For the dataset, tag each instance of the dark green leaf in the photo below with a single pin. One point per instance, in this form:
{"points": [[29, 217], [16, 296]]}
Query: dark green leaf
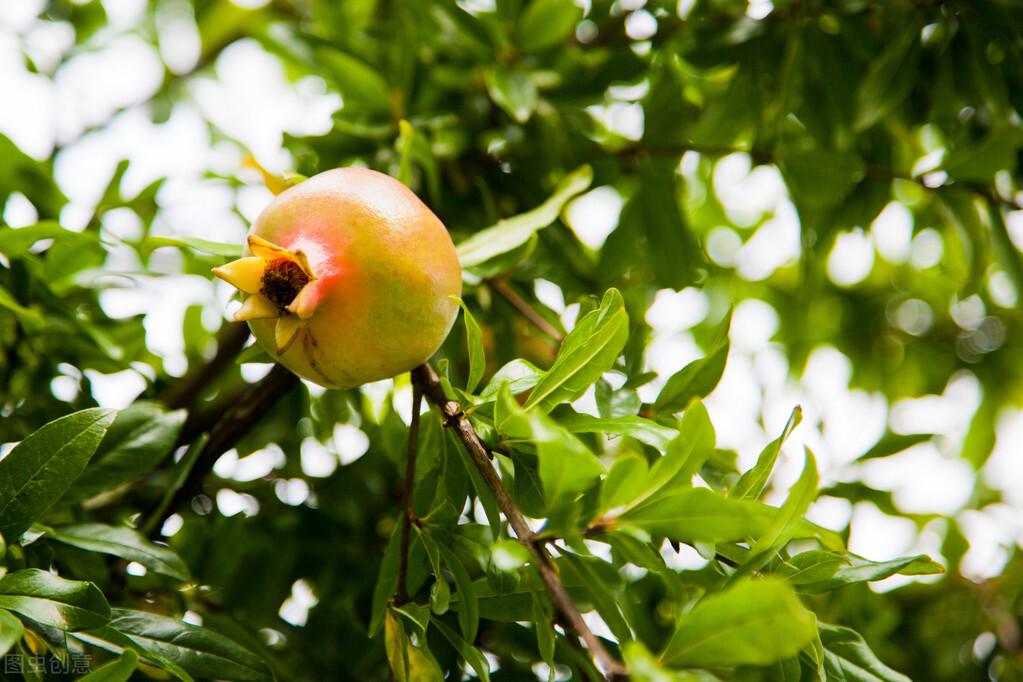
{"points": [[120, 670], [44, 597], [200, 651], [125, 543], [44, 465]]}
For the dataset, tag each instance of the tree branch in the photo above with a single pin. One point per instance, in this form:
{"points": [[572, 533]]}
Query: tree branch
{"points": [[250, 407], [230, 341], [428, 382], [408, 495], [502, 287]]}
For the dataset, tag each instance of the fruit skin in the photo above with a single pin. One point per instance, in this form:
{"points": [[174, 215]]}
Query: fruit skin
{"points": [[385, 269]]}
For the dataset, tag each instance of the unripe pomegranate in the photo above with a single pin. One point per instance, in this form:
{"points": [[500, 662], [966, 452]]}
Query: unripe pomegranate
{"points": [[349, 278]]}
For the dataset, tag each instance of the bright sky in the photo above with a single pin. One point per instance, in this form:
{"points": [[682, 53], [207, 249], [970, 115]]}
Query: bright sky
{"points": [[249, 100]]}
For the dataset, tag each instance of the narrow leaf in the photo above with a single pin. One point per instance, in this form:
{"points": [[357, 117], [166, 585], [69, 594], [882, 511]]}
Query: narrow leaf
{"points": [[43, 466], [513, 232]]}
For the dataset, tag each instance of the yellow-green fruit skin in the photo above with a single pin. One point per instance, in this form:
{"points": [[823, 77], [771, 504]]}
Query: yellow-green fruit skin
{"points": [[385, 270]]}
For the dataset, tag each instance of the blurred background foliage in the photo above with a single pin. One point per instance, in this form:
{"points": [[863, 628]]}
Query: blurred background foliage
{"points": [[842, 175]]}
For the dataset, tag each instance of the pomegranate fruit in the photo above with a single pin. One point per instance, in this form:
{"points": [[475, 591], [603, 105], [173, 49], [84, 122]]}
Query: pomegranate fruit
{"points": [[349, 278]]}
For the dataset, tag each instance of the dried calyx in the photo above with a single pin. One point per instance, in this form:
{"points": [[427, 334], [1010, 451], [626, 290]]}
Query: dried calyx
{"points": [[277, 282]]}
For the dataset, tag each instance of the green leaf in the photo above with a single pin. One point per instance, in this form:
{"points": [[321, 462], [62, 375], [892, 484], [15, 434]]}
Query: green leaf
{"points": [[513, 232], [513, 90], [468, 606], [587, 352], [468, 652], [701, 515], [892, 443], [625, 482], [11, 631], [820, 179], [440, 592], [752, 623], [43, 466], [474, 339], [51, 600], [654, 211], [980, 162], [29, 318], [126, 543], [698, 378], [819, 571], [566, 465], [643, 430], [140, 437], [848, 658], [200, 651], [362, 87], [149, 244], [546, 23], [890, 78], [120, 670], [683, 458], [520, 375], [605, 596], [406, 135], [781, 530], [387, 581], [543, 623], [396, 645], [16, 242], [752, 483]]}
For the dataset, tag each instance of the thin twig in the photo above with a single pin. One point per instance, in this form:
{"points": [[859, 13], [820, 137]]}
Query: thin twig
{"points": [[427, 380], [408, 494], [251, 406], [509, 294]]}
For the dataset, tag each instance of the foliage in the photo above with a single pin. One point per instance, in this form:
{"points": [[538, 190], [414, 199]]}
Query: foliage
{"points": [[690, 560]]}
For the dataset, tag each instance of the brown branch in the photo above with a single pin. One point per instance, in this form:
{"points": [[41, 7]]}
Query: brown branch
{"points": [[251, 406], [230, 341], [408, 494], [501, 286], [428, 382]]}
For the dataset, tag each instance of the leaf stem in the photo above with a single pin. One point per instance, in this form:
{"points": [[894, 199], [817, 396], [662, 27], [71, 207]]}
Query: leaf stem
{"points": [[428, 382], [501, 286]]}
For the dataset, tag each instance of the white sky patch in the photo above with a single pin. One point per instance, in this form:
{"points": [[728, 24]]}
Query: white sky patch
{"points": [[350, 442], [675, 311], [296, 607], [851, 258], [317, 460], [927, 249], [231, 502], [989, 545], [251, 80], [892, 231], [877, 536], [594, 215], [774, 244], [754, 322], [550, 295], [1003, 470], [946, 414], [293, 491], [922, 480], [117, 390]]}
